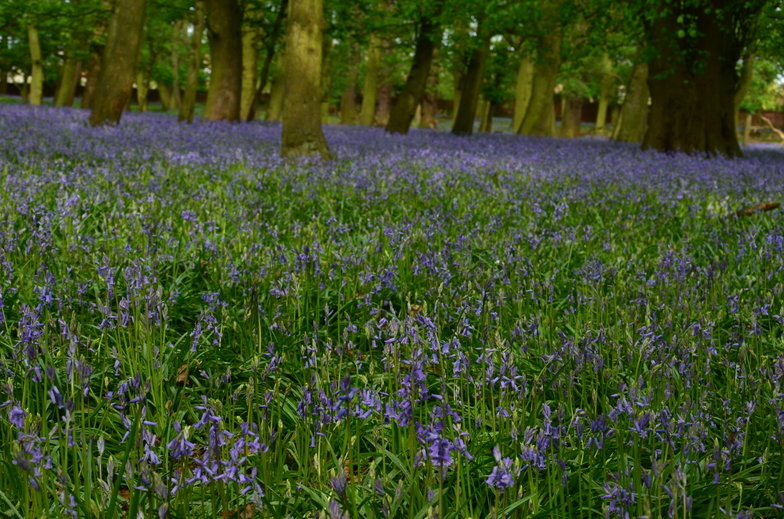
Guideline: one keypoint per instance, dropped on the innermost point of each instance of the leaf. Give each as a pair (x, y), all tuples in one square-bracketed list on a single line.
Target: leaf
[(182, 374)]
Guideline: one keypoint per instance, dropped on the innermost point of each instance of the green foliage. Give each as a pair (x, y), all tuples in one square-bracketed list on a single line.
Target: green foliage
[(765, 91)]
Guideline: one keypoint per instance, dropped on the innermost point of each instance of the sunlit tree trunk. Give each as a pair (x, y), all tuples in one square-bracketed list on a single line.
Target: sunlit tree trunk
[(606, 94), (224, 31), (176, 100), (142, 88), (471, 89), (427, 41), (370, 88), (188, 104), (37, 85), (523, 88), (302, 133), (540, 115), (277, 91), (631, 127), (118, 65)]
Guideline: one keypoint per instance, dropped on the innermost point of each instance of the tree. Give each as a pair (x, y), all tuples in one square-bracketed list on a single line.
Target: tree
[(302, 133), (118, 65), (631, 125), (693, 48), (194, 65), (224, 31), (416, 82)]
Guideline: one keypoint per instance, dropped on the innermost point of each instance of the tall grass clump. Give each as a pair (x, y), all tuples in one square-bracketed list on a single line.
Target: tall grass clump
[(426, 327)]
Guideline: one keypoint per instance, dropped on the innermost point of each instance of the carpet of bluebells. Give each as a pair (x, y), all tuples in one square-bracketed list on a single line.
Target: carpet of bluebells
[(428, 326)]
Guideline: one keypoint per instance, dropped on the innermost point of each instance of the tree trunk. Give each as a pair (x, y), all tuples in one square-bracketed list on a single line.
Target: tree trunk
[(384, 103), (224, 31), (93, 66), (429, 104), (540, 114), (370, 88), (631, 127), (251, 41), (457, 80), (302, 133), (25, 90), (3, 82), (272, 40), (37, 85), (606, 93), (348, 101), (118, 65), (523, 88), (747, 129), (571, 117), (411, 96), (67, 76), (471, 89), (176, 100), (75, 81), (488, 109), (188, 104), (165, 93), (326, 78), (142, 88), (277, 91), (744, 81), (692, 107)]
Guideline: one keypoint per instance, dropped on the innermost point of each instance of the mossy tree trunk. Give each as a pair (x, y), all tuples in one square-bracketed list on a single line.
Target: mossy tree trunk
[(97, 47), (370, 87), (188, 105), (142, 89), (176, 101), (631, 126), (277, 91), (606, 94), (471, 88), (326, 77), (224, 31), (68, 76), (37, 84), (118, 64), (523, 88), (302, 132), (540, 113), (743, 84), (427, 41)]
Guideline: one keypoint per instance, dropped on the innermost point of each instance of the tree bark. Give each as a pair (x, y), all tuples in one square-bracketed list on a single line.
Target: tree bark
[(572, 117), (471, 89), (251, 41), (188, 104), (405, 108), (384, 107), (37, 85), (744, 82), (692, 107), (631, 127), (118, 65), (540, 114), (747, 129), (67, 76), (224, 31), (277, 91), (270, 44), (429, 105), (605, 94), (348, 101), (326, 77), (486, 114), (176, 100), (3, 82), (370, 88), (302, 132), (142, 88), (523, 88)]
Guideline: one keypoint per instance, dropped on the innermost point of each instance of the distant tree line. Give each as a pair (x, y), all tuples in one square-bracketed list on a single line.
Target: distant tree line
[(674, 74)]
